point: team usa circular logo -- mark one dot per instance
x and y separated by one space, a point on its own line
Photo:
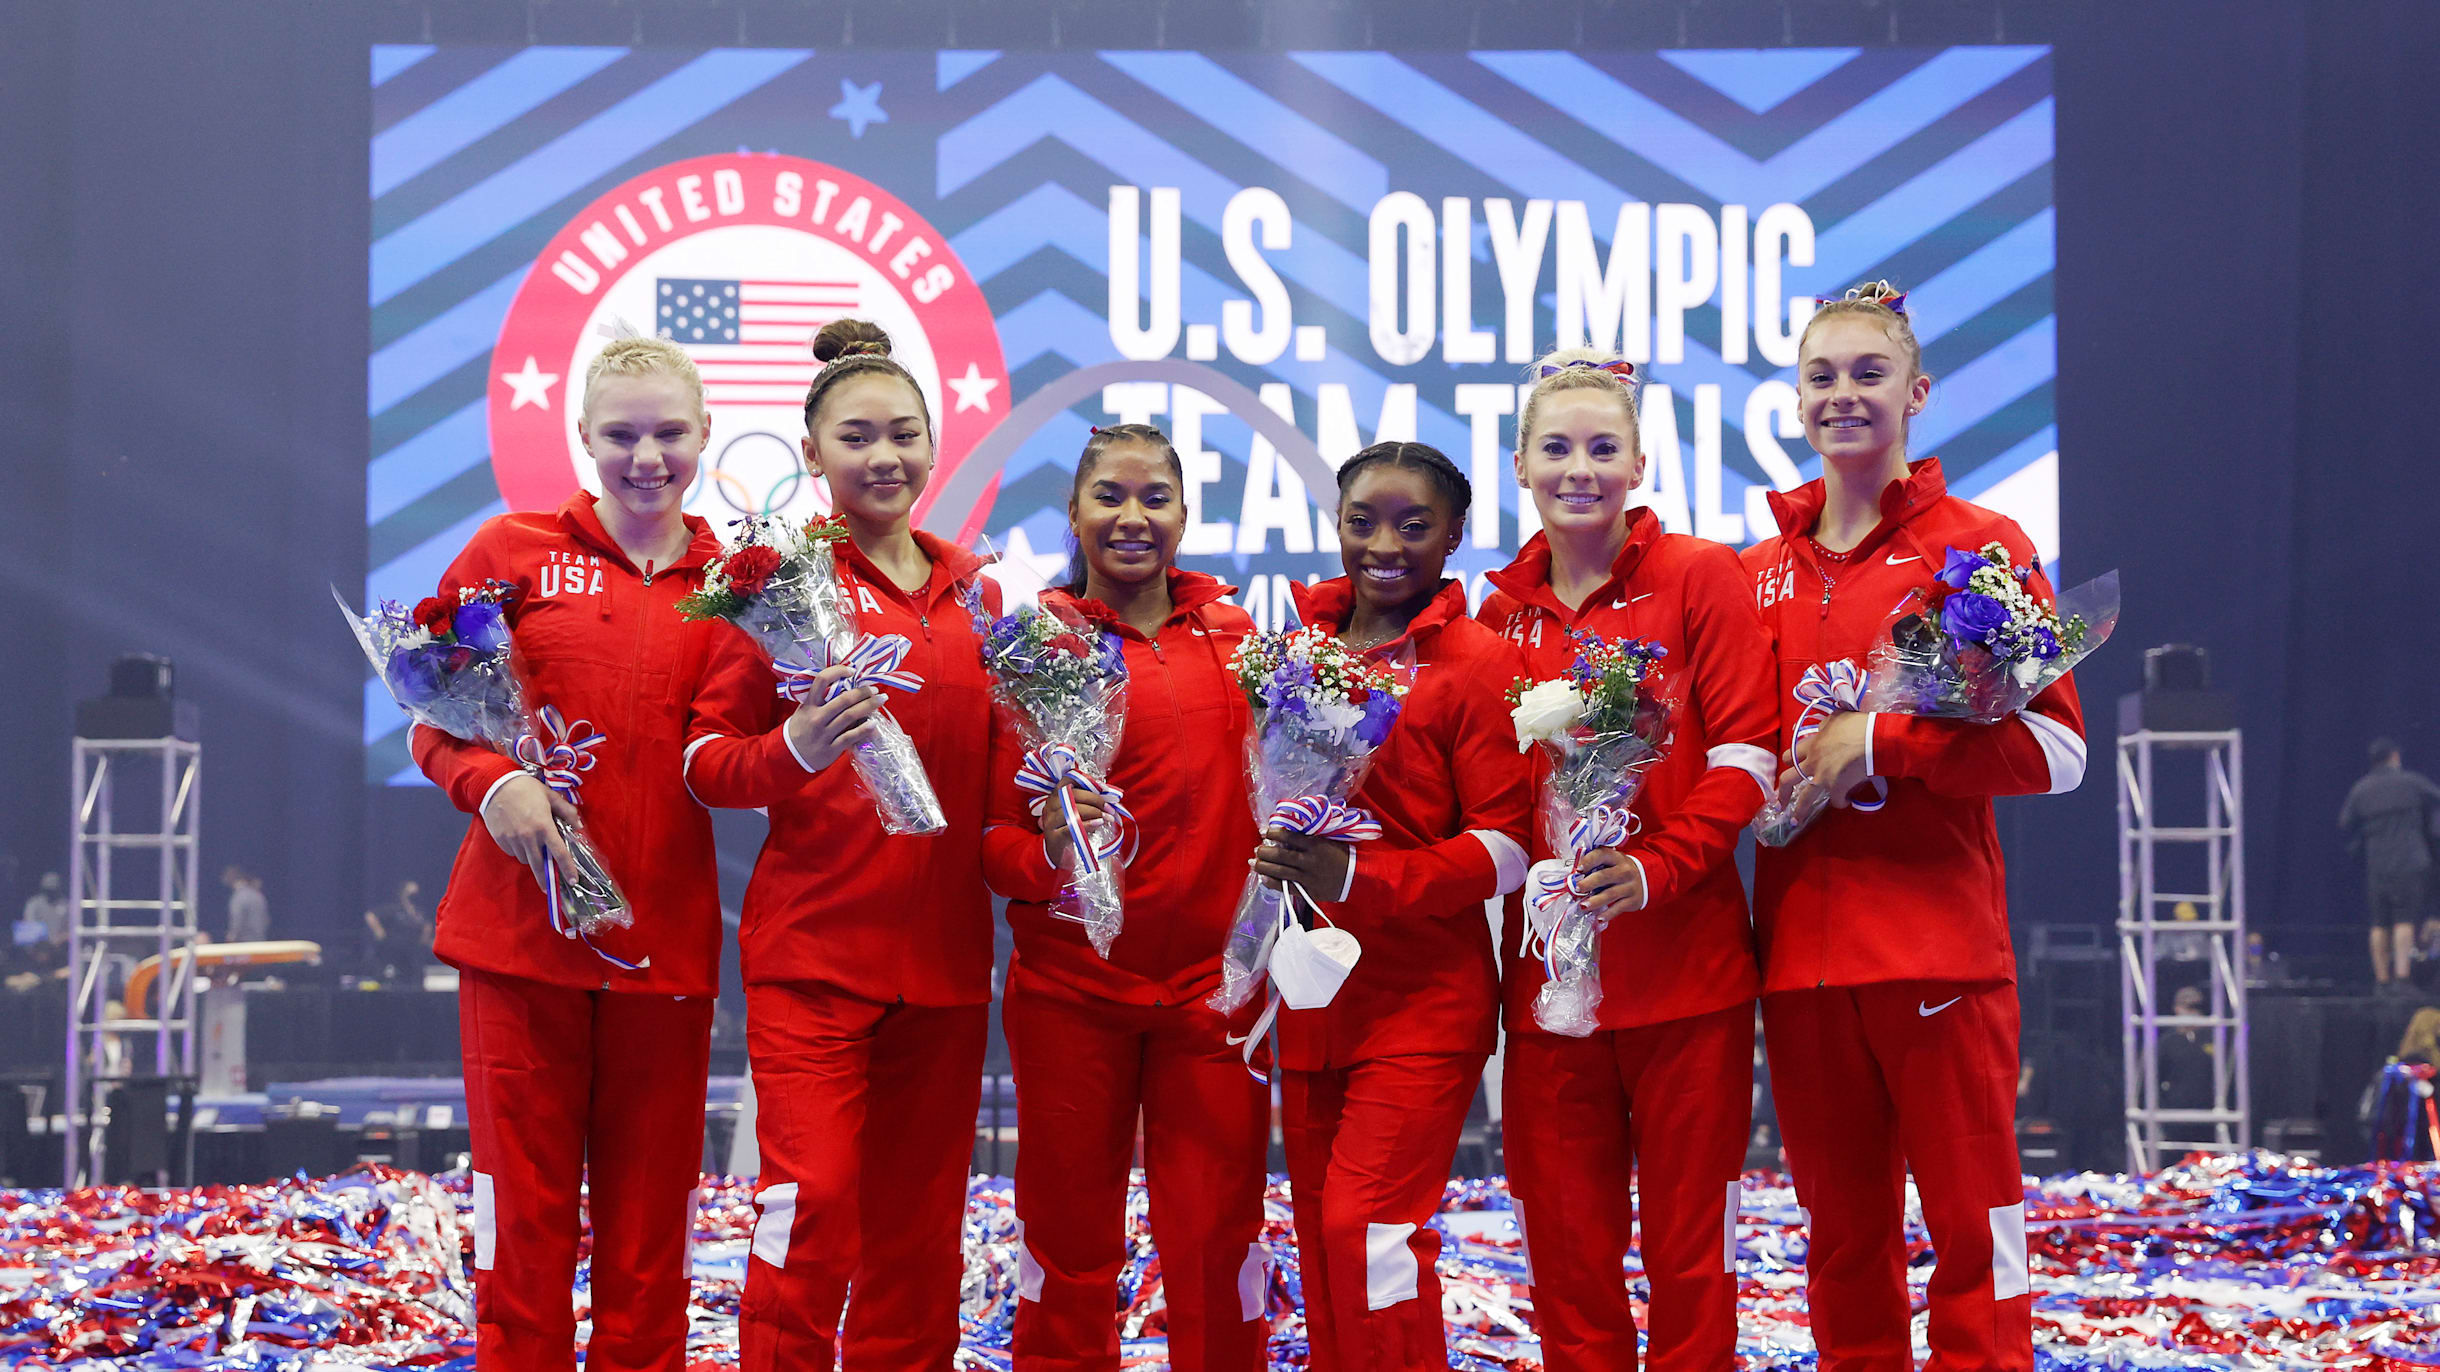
740 259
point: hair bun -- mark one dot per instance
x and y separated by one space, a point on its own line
850 338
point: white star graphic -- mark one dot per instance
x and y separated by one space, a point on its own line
532 385
1022 572
973 389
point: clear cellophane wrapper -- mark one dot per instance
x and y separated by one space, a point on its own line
484 702
1588 771
805 618
1091 725
1915 668
1283 760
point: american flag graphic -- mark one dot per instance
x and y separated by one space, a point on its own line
751 339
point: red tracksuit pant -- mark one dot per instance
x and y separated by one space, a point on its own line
1085 1068
866 1127
1872 1081
1369 1148
1670 1103
566 1086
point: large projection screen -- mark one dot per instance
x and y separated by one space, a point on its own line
1336 247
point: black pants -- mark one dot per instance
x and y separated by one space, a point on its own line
2396 897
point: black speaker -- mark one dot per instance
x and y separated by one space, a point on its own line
303 1136
142 676
137 1138
2176 667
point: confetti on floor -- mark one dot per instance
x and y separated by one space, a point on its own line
2218 1264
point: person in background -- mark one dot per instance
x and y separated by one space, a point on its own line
398 936
2186 1070
45 919
249 912
2388 822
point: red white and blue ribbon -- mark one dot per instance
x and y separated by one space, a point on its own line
1556 884
1319 817
1056 771
558 756
1322 817
874 661
1830 689
561 760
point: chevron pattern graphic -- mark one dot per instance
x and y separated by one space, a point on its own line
1932 168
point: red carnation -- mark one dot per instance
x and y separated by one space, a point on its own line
434 613
751 567
1070 643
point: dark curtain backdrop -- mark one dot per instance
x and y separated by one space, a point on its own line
2247 293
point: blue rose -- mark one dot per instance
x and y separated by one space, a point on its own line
1962 565
416 675
1973 618
481 626
1380 713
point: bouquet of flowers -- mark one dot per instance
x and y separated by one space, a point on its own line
1603 725
1976 645
1320 710
782 586
1062 682
447 663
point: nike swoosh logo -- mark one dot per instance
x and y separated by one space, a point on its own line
1902 561
1622 604
1927 1011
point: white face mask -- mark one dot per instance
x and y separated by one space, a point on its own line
1308 968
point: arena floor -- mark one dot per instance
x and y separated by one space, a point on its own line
2221 1264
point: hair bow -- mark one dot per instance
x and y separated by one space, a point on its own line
1886 296
1617 367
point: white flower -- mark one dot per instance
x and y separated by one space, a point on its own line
1546 710
1335 716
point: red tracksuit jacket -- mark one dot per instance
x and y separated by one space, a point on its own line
1454 797
601 640
1690 949
835 898
1181 763
1916 890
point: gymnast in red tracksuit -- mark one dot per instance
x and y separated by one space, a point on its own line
1661 1093
1096 1041
866 955
1889 999
1375 1085
588 1063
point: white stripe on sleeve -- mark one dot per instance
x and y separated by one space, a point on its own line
1754 761
1507 857
686 766
2062 747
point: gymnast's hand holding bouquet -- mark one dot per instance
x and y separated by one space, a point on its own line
448 663
782 586
1061 681
1977 644
1603 725
1320 711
